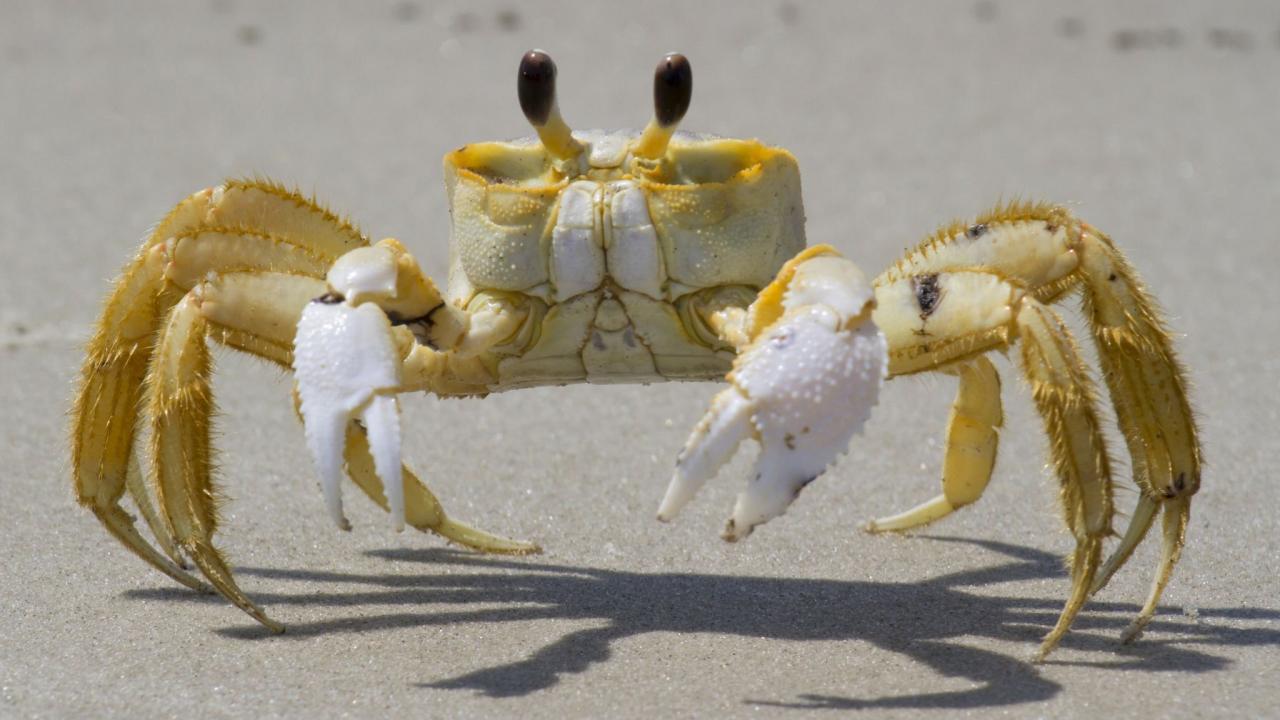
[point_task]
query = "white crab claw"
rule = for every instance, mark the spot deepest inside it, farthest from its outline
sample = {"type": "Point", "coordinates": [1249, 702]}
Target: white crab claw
{"type": "Point", "coordinates": [345, 365]}
{"type": "Point", "coordinates": [714, 440]}
{"type": "Point", "coordinates": [802, 389]}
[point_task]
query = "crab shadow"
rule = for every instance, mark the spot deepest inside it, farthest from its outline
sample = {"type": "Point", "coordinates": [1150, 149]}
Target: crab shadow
{"type": "Point", "coordinates": [932, 621]}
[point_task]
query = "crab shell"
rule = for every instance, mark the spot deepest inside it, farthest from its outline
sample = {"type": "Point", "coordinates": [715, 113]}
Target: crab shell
{"type": "Point", "coordinates": [615, 252]}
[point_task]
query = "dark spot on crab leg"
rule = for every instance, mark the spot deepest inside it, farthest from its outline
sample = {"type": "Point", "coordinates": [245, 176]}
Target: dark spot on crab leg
{"type": "Point", "coordinates": [928, 293]}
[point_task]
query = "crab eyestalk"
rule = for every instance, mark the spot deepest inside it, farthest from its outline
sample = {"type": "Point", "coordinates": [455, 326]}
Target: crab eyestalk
{"type": "Point", "coordinates": [536, 87]}
{"type": "Point", "coordinates": [672, 90]}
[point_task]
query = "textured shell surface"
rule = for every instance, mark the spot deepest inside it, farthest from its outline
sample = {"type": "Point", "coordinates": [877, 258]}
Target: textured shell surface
{"type": "Point", "coordinates": [611, 252]}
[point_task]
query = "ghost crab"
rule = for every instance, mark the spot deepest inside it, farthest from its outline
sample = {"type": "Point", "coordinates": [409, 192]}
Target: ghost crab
{"type": "Point", "coordinates": [619, 257]}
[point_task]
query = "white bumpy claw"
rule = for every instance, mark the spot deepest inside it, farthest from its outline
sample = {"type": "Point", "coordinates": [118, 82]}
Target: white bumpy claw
{"type": "Point", "coordinates": [346, 367]}
{"type": "Point", "coordinates": [802, 388]}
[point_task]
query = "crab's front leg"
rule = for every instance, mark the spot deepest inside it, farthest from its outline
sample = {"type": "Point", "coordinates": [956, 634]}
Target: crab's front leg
{"type": "Point", "coordinates": [809, 370]}
{"type": "Point", "coordinates": [356, 347]}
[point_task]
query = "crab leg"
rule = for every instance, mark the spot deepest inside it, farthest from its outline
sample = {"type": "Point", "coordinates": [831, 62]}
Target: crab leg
{"type": "Point", "coordinates": [1047, 252]}
{"type": "Point", "coordinates": [1176, 514]}
{"type": "Point", "coordinates": [1148, 388]}
{"type": "Point", "coordinates": [103, 493]}
{"type": "Point", "coordinates": [1064, 395]}
{"type": "Point", "coordinates": [136, 484]}
{"type": "Point", "coordinates": [802, 387]}
{"type": "Point", "coordinates": [105, 411]}
{"type": "Point", "coordinates": [105, 416]}
{"type": "Point", "coordinates": [928, 330]}
{"type": "Point", "coordinates": [422, 510]}
{"type": "Point", "coordinates": [179, 405]}
{"type": "Point", "coordinates": [252, 254]}
{"type": "Point", "coordinates": [1143, 517]}
{"type": "Point", "coordinates": [972, 438]}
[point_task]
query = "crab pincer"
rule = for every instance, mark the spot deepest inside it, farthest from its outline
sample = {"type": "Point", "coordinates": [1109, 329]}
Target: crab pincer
{"type": "Point", "coordinates": [804, 383]}
{"type": "Point", "coordinates": [347, 369]}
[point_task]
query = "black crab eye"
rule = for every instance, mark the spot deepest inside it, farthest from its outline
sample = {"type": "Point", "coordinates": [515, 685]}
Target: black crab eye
{"type": "Point", "coordinates": [536, 86]}
{"type": "Point", "coordinates": [672, 89]}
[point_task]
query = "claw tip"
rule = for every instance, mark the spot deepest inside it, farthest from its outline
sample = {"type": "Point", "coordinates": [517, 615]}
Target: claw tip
{"type": "Point", "coordinates": [732, 533]}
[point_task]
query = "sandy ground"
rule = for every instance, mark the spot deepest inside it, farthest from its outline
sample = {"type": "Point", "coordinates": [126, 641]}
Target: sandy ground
{"type": "Point", "coordinates": [1156, 121]}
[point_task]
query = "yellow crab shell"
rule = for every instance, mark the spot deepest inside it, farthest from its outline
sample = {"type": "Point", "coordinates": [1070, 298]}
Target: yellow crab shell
{"type": "Point", "coordinates": [611, 250]}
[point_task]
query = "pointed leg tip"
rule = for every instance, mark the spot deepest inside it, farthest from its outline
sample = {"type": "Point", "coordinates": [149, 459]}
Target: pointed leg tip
{"type": "Point", "coordinates": [468, 538]}
{"type": "Point", "coordinates": [874, 527]}
{"type": "Point", "coordinates": [1047, 646]}
{"type": "Point", "coordinates": [517, 548]}
{"type": "Point", "coordinates": [257, 614]}
{"type": "Point", "coordinates": [1132, 633]}
{"type": "Point", "coordinates": [524, 547]}
{"type": "Point", "coordinates": [880, 527]}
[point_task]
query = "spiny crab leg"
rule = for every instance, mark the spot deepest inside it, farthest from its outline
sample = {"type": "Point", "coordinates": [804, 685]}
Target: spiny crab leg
{"type": "Point", "coordinates": [348, 368]}
{"type": "Point", "coordinates": [803, 385]}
